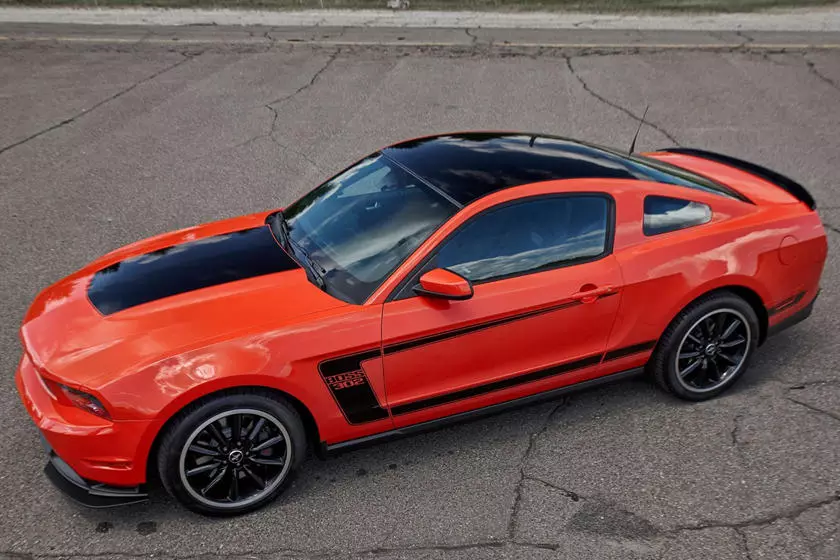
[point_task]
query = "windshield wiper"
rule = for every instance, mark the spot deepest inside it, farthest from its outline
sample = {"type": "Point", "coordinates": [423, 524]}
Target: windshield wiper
{"type": "Point", "coordinates": [313, 269]}
{"type": "Point", "coordinates": [318, 271]}
{"type": "Point", "coordinates": [281, 229]}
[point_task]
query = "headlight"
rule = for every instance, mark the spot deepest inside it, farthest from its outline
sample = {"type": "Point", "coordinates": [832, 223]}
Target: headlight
{"type": "Point", "coordinates": [76, 398]}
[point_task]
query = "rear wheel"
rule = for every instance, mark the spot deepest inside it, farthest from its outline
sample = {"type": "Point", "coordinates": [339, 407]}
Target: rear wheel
{"type": "Point", "coordinates": [232, 454]}
{"type": "Point", "coordinates": [707, 348]}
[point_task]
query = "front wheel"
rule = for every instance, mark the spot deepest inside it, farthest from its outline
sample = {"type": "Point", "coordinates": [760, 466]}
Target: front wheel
{"type": "Point", "coordinates": [707, 348]}
{"type": "Point", "coordinates": [232, 454]}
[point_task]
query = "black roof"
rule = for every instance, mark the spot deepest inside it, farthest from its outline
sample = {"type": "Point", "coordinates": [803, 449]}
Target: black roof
{"type": "Point", "coordinates": [467, 166]}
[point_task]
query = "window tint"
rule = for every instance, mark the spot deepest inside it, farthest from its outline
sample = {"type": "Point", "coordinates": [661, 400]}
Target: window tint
{"type": "Point", "coordinates": [527, 237]}
{"type": "Point", "coordinates": [470, 165]}
{"type": "Point", "coordinates": [663, 214]}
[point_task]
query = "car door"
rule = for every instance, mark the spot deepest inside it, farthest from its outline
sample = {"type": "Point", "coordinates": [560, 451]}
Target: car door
{"type": "Point", "coordinates": [546, 291]}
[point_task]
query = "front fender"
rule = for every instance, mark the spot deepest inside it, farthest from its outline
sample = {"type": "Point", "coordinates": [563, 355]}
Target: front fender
{"type": "Point", "coordinates": [155, 394]}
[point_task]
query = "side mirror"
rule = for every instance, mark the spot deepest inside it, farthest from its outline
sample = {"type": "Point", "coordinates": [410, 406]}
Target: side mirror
{"type": "Point", "coordinates": [443, 283]}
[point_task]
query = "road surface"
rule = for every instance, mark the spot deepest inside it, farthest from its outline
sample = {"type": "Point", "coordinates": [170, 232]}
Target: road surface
{"type": "Point", "coordinates": [114, 134]}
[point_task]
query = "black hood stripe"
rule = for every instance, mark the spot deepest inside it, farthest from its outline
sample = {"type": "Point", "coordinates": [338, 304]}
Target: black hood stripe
{"type": "Point", "coordinates": [194, 265]}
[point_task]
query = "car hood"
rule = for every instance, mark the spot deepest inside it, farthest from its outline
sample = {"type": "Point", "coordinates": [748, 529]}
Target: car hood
{"type": "Point", "coordinates": [166, 295]}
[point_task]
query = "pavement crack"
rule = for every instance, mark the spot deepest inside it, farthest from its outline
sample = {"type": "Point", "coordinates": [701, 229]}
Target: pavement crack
{"type": "Point", "coordinates": [271, 136]}
{"type": "Point", "coordinates": [471, 35]}
{"type": "Point", "coordinates": [539, 546]}
{"type": "Point", "coordinates": [302, 155]}
{"type": "Point", "coordinates": [615, 105]}
{"type": "Point", "coordinates": [274, 117]}
{"type": "Point", "coordinates": [149, 33]}
{"type": "Point", "coordinates": [579, 24]}
{"type": "Point", "coordinates": [574, 496]}
{"type": "Point", "coordinates": [433, 548]}
{"type": "Point", "coordinates": [97, 105]}
{"type": "Point", "coordinates": [812, 68]}
{"type": "Point", "coordinates": [747, 39]}
{"type": "Point", "coordinates": [830, 227]}
{"type": "Point", "coordinates": [735, 428]}
{"type": "Point", "coordinates": [760, 521]}
{"type": "Point", "coordinates": [389, 534]}
{"type": "Point", "coordinates": [806, 384]}
{"type": "Point", "coordinates": [268, 553]}
{"type": "Point", "coordinates": [744, 544]}
{"type": "Point", "coordinates": [293, 552]}
{"type": "Point", "coordinates": [812, 543]}
{"type": "Point", "coordinates": [815, 409]}
{"type": "Point", "coordinates": [309, 84]}
{"type": "Point", "coordinates": [523, 463]}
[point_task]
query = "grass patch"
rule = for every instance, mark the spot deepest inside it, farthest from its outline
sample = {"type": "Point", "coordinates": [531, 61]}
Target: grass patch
{"type": "Point", "coordinates": [452, 5]}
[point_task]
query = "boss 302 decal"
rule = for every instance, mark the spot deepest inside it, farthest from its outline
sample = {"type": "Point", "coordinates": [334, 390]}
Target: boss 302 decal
{"type": "Point", "coordinates": [350, 388]}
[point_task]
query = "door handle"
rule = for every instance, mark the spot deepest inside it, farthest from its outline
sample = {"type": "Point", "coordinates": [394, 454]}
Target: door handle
{"type": "Point", "coordinates": [590, 293]}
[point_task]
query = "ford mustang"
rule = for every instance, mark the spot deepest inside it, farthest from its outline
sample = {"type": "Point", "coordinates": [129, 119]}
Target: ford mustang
{"type": "Point", "coordinates": [435, 280]}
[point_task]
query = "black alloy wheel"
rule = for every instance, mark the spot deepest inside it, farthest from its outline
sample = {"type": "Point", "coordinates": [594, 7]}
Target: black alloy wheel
{"type": "Point", "coordinates": [233, 453]}
{"type": "Point", "coordinates": [707, 347]}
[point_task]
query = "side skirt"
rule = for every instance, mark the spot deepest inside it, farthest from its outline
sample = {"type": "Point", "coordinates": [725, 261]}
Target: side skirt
{"type": "Point", "coordinates": [794, 319]}
{"type": "Point", "coordinates": [336, 448]}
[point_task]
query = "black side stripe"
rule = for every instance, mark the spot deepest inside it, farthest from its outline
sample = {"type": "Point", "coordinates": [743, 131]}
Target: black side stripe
{"type": "Point", "coordinates": [442, 421]}
{"type": "Point", "coordinates": [495, 385]}
{"type": "Point", "coordinates": [789, 302]}
{"type": "Point", "coordinates": [350, 387]}
{"type": "Point", "coordinates": [408, 344]}
{"type": "Point", "coordinates": [629, 350]}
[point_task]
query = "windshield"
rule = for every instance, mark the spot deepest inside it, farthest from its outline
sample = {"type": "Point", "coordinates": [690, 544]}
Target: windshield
{"type": "Point", "coordinates": [356, 228]}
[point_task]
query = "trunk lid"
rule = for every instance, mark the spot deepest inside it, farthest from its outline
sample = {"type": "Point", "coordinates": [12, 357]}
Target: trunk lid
{"type": "Point", "coordinates": [760, 185]}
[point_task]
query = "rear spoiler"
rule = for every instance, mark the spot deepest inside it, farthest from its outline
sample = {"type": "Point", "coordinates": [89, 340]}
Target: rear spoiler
{"type": "Point", "coordinates": [777, 179]}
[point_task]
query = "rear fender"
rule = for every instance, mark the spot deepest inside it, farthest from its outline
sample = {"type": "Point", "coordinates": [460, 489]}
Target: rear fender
{"type": "Point", "coordinates": [733, 281]}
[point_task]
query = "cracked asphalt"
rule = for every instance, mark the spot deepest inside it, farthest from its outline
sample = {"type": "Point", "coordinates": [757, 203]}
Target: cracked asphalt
{"type": "Point", "coordinates": [104, 142]}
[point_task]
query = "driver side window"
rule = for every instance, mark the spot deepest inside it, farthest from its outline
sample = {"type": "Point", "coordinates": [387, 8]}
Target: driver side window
{"type": "Point", "coordinates": [527, 237]}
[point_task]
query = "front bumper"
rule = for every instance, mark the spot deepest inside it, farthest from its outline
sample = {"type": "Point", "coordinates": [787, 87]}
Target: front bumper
{"type": "Point", "coordinates": [90, 494]}
{"type": "Point", "coordinates": [95, 461]}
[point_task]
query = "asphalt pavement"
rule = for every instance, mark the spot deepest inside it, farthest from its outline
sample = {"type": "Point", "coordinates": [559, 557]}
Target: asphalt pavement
{"type": "Point", "coordinates": [113, 134]}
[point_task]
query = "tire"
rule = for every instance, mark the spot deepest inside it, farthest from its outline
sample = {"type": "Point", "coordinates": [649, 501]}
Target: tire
{"type": "Point", "coordinates": [206, 467]}
{"type": "Point", "coordinates": [699, 329]}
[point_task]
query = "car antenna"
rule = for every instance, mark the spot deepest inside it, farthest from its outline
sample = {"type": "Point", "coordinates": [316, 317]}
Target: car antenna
{"type": "Point", "coordinates": [641, 122]}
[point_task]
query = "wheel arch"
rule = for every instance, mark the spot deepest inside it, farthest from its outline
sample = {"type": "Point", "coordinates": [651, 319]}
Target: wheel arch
{"type": "Point", "coordinates": [754, 300]}
{"type": "Point", "coordinates": [309, 423]}
{"type": "Point", "coordinates": [740, 289]}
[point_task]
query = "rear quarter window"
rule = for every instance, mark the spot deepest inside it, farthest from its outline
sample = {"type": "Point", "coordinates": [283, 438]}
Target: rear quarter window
{"type": "Point", "coordinates": [664, 214]}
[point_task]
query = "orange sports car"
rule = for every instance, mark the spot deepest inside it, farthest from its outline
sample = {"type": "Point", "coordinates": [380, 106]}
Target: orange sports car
{"type": "Point", "coordinates": [438, 279]}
